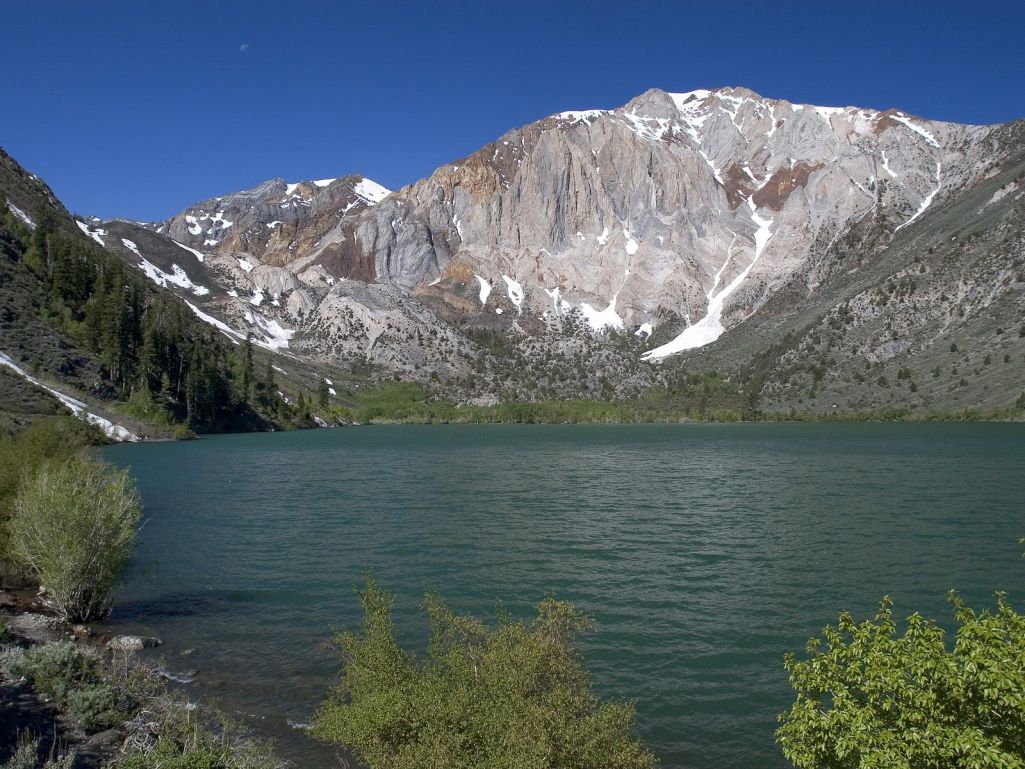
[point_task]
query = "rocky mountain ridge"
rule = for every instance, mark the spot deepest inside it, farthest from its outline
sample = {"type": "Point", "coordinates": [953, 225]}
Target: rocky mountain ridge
{"type": "Point", "coordinates": [671, 230]}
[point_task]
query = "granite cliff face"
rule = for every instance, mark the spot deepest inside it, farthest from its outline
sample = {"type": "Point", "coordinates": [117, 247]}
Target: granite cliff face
{"type": "Point", "coordinates": [700, 204]}
{"type": "Point", "coordinates": [674, 219]}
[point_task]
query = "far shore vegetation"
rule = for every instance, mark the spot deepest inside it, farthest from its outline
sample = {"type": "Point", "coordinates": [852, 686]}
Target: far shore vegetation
{"type": "Point", "coordinates": [709, 399]}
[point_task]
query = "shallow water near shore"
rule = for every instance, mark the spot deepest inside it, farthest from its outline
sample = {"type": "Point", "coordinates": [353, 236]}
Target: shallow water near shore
{"type": "Point", "coordinates": [703, 551]}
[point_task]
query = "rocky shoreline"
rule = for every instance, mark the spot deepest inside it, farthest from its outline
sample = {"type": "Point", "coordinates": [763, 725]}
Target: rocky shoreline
{"type": "Point", "coordinates": [30, 622]}
{"type": "Point", "coordinates": [31, 716]}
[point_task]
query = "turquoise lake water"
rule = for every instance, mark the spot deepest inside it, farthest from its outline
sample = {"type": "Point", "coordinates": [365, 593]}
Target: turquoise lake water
{"type": "Point", "coordinates": [704, 552]}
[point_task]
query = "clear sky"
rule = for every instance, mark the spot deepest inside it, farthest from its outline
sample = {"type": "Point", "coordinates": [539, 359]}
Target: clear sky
{"type": "Point", "coordinates": [139, 108]}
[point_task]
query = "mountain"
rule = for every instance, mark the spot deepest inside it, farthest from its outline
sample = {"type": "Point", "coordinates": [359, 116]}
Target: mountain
{"type": "Point", "coordinates": [822, 259]}
{"type": "Point", "coordinates": [275, 221]}
{"type": "Point", "coordinates": [81, 331]}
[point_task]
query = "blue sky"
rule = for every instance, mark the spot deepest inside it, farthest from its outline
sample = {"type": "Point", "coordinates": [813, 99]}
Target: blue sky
{"type": "Point", "coordinates": [132, 109]}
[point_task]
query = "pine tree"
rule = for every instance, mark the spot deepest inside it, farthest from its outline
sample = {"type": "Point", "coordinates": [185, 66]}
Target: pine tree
{"type": "Point", "coordinates": [247, 368]}
{"type": "Point", "coordinates": [322, 393]}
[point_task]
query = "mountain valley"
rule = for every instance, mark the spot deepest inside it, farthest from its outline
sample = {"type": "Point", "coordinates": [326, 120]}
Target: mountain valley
{"type": "Point", "coordinates": [700, 251]}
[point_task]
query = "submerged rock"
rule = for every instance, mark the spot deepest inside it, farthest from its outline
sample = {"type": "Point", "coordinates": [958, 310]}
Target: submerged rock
{"type": "Point", "coordinates": [132, 643]}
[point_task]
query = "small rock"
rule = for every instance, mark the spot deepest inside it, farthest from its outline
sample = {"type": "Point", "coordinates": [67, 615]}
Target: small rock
{"type": "Point", "coordinates": [81, 631]}
{"type": "Point", "coordinates": [132, 643]}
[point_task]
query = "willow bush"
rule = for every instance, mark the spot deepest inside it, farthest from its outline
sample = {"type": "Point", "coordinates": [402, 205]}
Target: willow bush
{"type": "Point", "coordinates": [512, 695]}
{"type": "Point", "coordinates": [73, 527]}
{"type": "Point", "coordinates": [47, 439]}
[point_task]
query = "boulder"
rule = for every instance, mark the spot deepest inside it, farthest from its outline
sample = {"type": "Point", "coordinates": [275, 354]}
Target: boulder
{"type": "Point", "coordinates": [132, 643]}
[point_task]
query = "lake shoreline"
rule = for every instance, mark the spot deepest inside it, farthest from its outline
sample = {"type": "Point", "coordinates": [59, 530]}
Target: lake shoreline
{"type": "Point", "coordinates": [805, 418]}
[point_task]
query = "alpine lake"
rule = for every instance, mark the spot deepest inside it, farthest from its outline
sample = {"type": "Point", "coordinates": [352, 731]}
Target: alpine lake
{"type": "Point", "coordinates": [704, 553]}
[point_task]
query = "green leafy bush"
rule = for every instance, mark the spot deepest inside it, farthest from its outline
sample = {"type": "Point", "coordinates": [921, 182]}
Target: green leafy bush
{"type": "Point", "coordinates": [867, 697]}
{"type": "Point", "coordinates": [514, 695]}
{"type": "Point", "coordinates": [74, 528]}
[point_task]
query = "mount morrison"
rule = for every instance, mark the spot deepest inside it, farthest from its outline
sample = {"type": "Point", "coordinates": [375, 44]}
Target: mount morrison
{"type": "Point", "coordinates": [823, 257]}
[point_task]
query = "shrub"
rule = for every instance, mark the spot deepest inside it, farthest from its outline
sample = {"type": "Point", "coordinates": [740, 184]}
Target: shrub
{"type": "Point", "coordinates": [867, 697]}
{"type": "Point", "coordinates": [50, 438]}
{"type": "Point", "coordinates": [170, 736]}
{"type": "Point", "coordinates": [96, 706]}
{"type": "Point", "coordinates": [79, 680]}
{"type": "Point", "coordinates": [74, 527]}
{"type": "Point", "coordinates": [57, 667]}
{"type": "Point", "coordinates": [12, 662]}
{"type": "Point", "coordinates": [24, 757]}
{"type": "Point", "coordinates": [514, 694]}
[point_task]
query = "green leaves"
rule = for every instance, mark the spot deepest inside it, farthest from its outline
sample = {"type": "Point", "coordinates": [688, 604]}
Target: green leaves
{"type": "Point", "coordinates": [867, 697]}
{"type": "Point", "coordinates": [513, 695]}
{"type": "Point", "coordinates": [74, 528]}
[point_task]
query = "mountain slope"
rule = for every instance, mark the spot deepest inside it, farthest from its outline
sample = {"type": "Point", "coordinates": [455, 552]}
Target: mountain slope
{"type": "Point", "coordinates": [692, 230]}
{"type": "Point", "coordinates": [79, 327]}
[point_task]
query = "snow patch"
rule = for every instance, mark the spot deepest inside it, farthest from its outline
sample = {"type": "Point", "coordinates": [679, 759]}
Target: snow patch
{"type": "Point", "coordinates": [372, 192]}
{"type": "Point", "coordinates": [561, 306]}
{"type": "Point", "coordinates": [599, 320]}
{"type": "Point", "coordinates": [644, 330]}
{"type": "Point", "coordinates": [276, 336]}
{"type": "Point", "coordinates": [631, 244]}
{"type": "Point", "coordinates": [21, 215]}
{"type": "Point", "coordinates": [826, 113]}
{"type": "Point", "coordinates": [485, 289]}
{"type": "Point", "coordinates": [710, 327]}
{"type": "Point", "coordinates": [689, 99]}
{"type": "Point", "coordinates": [886, 166]}
{"type": "Point", "coordinates": [192, 251]}
{"type": "Point", "coordinates": [900, 117]}
{"type": "Point", "coordinates": [581, 116]}
{"type": "Point", "coordinates": [219, 325]}
{"type": "Point", "coordinates": [177, 278]}
{"type": "Point", "coordinates": [514, 291]}
{"type": "Point", "coordinates": [98, 235]}
{"type": "Point", "coordinates": [218, 222]}
{"type": "Point", "coordinates": [926, 202]}
{"type": "Point", "coordinates": [77, 407]}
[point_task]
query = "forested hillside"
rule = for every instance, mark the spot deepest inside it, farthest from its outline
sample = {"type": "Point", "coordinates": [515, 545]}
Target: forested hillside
{"type": "Point", "coordinates": [73, 315]}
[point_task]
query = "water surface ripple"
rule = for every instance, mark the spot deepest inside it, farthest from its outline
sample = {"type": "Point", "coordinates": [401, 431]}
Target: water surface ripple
{"type": "Point", "coordinates": [704, 552]}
